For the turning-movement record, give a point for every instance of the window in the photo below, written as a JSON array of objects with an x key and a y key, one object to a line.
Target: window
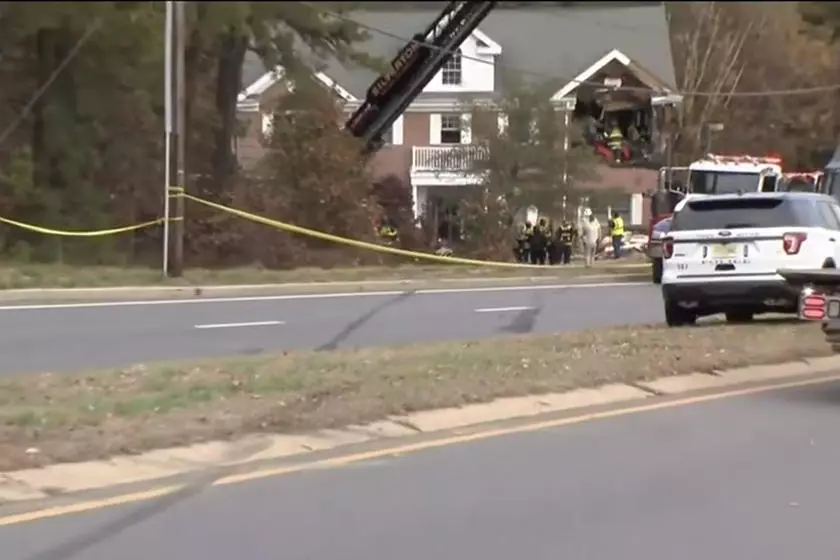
[
  {"x": 451, "y": 71},
  {"x": 768, "y": 183},
  {"x": 663, "y": 202},
  {"x": 450, "y": 129},
  {"x": 723, "y": 182},
  {"x": 800, "y": 184},
  {"x": 732, "y": 213}
]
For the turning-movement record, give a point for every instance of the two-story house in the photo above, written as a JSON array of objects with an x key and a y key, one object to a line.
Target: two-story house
[{"x": 590, "y": 49}]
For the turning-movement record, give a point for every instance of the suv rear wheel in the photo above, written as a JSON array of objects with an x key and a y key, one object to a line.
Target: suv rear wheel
[{"x": 676, "y": 316}]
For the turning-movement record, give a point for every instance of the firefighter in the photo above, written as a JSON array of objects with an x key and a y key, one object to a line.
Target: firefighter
[
  {"x": 387, "y": 233},
  {"x": 565, "y": 235},
  {"x": 617, "y": 234},
  {"x": 538, "y": 242},
  {"x": 523, "y": 243},
  {"x": 615, "y": 141},
  {"x": 550, "y": 242}
]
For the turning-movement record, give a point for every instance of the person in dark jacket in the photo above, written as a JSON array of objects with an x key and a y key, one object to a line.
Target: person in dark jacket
[
  {"x": 565, "y": 237},
  {"x": 539, "y": 242},
  {"x": 523, "y": 243}
]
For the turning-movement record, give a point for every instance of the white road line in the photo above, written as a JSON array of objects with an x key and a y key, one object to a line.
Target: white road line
[
  {"x": 294, "y": 297},
  {"x": 235, "y": 325},
  {"x": 503, "y": 309}
]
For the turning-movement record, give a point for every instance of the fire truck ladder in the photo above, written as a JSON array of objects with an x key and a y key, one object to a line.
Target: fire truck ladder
[{"x": 412, "y": 69}]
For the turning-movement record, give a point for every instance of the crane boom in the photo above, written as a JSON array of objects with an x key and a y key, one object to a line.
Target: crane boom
[{"x": 412, "y": 69}]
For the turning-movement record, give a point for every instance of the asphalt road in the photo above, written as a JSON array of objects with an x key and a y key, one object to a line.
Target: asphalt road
[
  {"x": 743, "y": 477},
  {"x": 64, "y": 337}
]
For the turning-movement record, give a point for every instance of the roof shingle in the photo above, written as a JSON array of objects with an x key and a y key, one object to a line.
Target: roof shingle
[{"x": 552, "y": 42}]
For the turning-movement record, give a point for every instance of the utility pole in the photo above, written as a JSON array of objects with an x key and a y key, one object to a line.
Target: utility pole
[
  {"x": 168, "y": 99},
  {"x": 177, "y": 267},
  {"x": 173, "y": 242}
]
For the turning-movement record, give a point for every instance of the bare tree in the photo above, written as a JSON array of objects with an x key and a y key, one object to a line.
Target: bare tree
[
  {"x": 791, "y": 54},
  {"x": 708, "y": 53},
  {"x": 723, "y": 48}
]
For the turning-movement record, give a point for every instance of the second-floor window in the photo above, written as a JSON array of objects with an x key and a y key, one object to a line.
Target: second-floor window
[
  {"x": 451, "y": 71},
  {"x": 450, "y": 129}
]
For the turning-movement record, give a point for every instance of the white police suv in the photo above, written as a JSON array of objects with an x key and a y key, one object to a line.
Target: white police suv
[{"x": 722, "y": 252}]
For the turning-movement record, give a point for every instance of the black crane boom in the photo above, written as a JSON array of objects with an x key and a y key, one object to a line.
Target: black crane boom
[{"x": 412, "y": 69}]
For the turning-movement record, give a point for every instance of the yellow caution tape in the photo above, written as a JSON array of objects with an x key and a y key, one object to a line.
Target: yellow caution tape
[
  {"x": 178, "y": 192},
  {"x": 91, "y": 233},
  {"x": 373, "y": 246}
]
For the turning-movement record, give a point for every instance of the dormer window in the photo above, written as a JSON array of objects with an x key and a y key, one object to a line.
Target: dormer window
[{"x": 451, "y": 72}]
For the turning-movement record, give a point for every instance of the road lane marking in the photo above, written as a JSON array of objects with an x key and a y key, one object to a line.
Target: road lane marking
[
  {"x": 91, "y": 505},
  {"x": 237, "y": 325},
  {"x": 337, "y": 295},
  {"x": 503, "y": 309}
]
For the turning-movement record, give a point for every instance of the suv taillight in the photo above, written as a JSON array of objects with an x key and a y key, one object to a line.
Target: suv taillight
[
  {"x": 792, "y": 242},
  {"x": 668, "y": 247}
]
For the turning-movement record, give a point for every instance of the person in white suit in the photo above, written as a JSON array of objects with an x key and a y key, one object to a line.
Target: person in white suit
[{"x": 590, "y": 236}]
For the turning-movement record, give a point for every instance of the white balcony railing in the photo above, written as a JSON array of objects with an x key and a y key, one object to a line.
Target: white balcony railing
[{"x": 452, "y": 158}]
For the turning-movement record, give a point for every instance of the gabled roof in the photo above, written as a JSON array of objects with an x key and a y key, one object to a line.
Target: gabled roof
[
  {"x": 614, "y": 55},
  {"x": 268, "y": 79},
  {"x": 486, "y": 45},
  {"x": 552, "y": 41}
]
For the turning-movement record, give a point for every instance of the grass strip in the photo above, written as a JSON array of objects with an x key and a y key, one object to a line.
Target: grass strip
[{"x": 75, "y": 417}]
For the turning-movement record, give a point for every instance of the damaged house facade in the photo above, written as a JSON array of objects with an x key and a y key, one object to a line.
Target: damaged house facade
[{"x": 591, "y": 50}]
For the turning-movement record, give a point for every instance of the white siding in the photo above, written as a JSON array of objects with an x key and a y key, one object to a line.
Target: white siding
[
  {"x": 466, "y": 129},
  {"x": 434, "y": 129},
  {"x": 397, "y": 131},
  {"x": 476, "y": 75}
]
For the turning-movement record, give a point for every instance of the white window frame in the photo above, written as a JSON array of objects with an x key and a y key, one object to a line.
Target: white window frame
[
  {"x": 450, "y": 123},
  {"x": 452, "y": 73}
]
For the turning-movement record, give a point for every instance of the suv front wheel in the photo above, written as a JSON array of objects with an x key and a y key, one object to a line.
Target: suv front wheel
[{"x": 676, "y": 316}]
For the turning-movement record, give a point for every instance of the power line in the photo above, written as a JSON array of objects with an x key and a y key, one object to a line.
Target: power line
[
  {"x": 91, "y": 29},
  {"x": 763, "y": 93}
]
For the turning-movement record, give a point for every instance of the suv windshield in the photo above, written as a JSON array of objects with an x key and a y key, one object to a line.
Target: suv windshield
[
  {"x": 732, "y": 213},
  {"x": 723, "y": 182}
]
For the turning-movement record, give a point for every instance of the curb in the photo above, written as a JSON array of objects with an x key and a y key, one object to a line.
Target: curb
[
  {"x": 182, "y": 292},
  {"x": 70, "y": 478}
]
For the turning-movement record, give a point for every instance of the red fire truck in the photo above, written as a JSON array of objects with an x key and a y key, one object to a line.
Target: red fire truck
[{"x": 711, "y": 174}]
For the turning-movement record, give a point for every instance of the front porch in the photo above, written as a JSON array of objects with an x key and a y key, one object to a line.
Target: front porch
[
  {"x": 443, "y": 167},
  {"x": 447, "y": 165}
]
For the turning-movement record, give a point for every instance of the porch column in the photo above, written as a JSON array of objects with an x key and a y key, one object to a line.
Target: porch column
[
  {"x": 415, "y": 201},
  {"x": 568, "y": 106}
]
